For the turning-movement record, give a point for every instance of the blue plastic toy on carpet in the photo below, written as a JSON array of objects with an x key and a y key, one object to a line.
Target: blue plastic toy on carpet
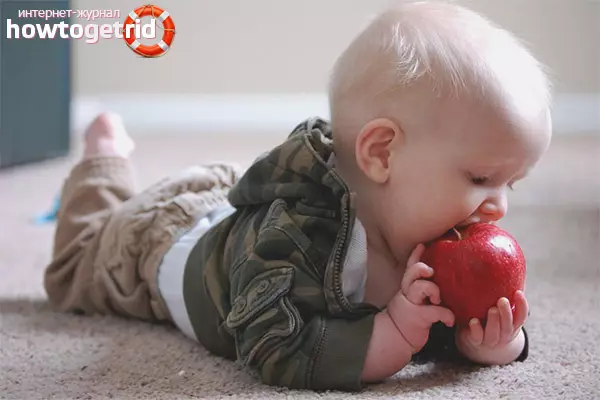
[{"x": 50, "y": 215}]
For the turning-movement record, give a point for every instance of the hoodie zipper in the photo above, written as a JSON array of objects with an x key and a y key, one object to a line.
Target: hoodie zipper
[
  {"x": 339, "y": 295},
  {"x": 338, "y": 256}
]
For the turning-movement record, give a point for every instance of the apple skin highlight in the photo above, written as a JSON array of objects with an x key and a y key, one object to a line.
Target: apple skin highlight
[{"x": 475, "y": 268}]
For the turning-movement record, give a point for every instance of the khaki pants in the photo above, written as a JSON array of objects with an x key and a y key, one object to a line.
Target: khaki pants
[{"x": 110, "y": 241}]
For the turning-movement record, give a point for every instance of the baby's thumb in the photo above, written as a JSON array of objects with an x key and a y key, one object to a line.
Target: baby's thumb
[{"x": 434, "y": 314}]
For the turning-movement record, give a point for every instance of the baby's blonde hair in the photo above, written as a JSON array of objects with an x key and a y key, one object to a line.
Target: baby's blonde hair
[{"x": 457, "y": 50}]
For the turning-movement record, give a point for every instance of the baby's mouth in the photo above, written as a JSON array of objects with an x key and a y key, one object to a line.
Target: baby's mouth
[
  {"x": 474, "y": 220},
  {"x": 468, "y": 221},
  {"x": 443, "y": 235},
  {"x": 459, "y": 227},
  {"x": 452, "y": 232}
]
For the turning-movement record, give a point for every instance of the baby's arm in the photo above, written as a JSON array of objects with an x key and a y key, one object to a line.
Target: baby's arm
[{"x": 403, "y": 329}]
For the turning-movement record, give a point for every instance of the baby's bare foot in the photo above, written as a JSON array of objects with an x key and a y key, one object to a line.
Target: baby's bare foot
[{"x": 106, "y": 136}]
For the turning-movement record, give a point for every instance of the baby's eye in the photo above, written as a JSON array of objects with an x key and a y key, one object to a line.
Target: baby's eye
[{"x": 479, "y": 180}]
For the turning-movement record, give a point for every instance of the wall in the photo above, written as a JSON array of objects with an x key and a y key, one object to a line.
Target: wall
[{"x": 230, "y": 51}]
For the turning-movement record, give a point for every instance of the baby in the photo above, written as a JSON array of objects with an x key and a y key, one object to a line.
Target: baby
[{"x": 305, "y": 267}]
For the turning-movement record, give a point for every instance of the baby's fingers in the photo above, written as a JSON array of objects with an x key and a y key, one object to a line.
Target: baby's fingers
[
  {"x": 521, "y": 309},
  {"x": 422, "y": 289},
  {"x": 414, "y": 272},
  {"x": 475, "y": 332},
  {"x": 492, "y": 328},
  {"x": 506, "y": 320},
  {"x": 433, "y": 314},
  {"x": 415, "y": 256}
]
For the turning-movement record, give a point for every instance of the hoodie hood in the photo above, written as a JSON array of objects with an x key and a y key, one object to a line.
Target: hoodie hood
[{"x": 298, "y": 169}]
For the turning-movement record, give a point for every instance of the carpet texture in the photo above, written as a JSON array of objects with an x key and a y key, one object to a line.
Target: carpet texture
[{"x": 43, "y": 354}]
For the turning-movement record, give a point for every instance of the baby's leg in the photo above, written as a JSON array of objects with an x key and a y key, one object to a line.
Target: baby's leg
[
  {"x": 109, "y": 243},
  {"x": 96, "y": 186}
]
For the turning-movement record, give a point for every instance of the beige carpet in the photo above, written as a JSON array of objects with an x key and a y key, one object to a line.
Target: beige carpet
[{"x": 49, "y": 355}]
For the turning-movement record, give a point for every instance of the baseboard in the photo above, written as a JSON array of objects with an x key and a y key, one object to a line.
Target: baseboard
[{"x": 573, "y": 113}]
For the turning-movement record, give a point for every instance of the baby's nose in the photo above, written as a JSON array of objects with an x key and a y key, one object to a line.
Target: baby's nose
[{"x": 492, "y": 211}]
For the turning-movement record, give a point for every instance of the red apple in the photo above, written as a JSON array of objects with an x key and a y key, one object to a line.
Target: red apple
[{"x": 474, "y": 267}]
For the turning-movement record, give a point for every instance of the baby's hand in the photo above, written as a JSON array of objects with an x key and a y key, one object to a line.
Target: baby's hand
[
  {"x": 410, "y": 311},
  {"x": 500, "y": 333}
]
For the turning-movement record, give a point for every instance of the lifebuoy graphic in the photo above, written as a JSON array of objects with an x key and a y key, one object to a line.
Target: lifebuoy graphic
[{"x": 163, "y": 17}]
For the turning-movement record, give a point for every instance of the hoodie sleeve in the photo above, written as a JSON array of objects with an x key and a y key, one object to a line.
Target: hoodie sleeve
[
  {"x": 286, "y": 349},
  {"x": 280, "y": 322}
]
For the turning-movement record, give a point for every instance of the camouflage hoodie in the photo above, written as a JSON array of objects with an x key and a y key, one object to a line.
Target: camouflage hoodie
[{"x": 264, "y": 286}]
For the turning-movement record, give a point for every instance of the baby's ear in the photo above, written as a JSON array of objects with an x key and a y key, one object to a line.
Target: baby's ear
[{"x": 373, "y": 148}]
